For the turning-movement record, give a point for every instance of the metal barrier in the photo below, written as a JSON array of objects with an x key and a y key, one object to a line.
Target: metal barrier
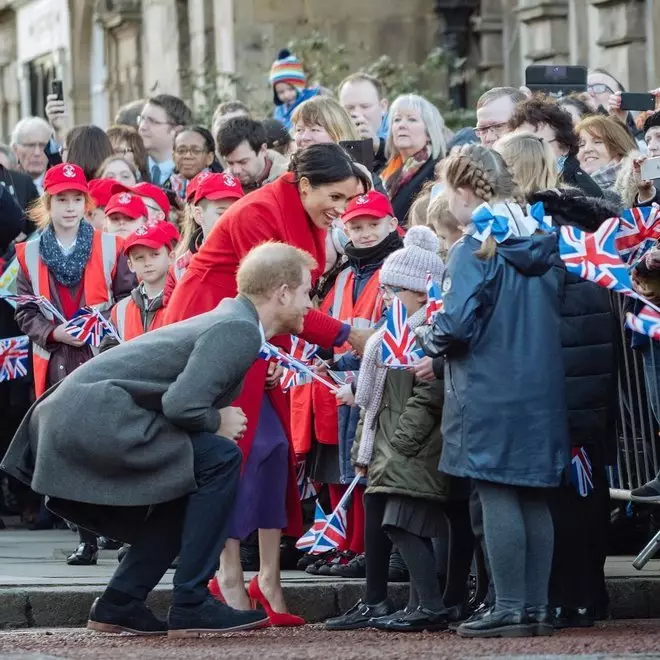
[{"x": 637, "y": 423}]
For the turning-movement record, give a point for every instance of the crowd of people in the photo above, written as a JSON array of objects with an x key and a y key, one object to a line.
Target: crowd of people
[{"x": 463, "y": 457}]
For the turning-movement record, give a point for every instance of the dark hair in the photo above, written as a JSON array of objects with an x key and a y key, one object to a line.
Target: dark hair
[
  {"x": 326, "y": 163},
  {"x": 652, "y": 121},
  {"x": 129, "y": 135},
  {"x": 277, "y": 137},
  {"x": 578, "y": 103},
  {"x": 237, "y": 130},
  {"x": 178, "y": 113},
  {"x": 128, "y": 114},
  {"x": 542, "y": 110},
  {"x": 209, "y": 142},
  {"x": 88, "y": 146}
]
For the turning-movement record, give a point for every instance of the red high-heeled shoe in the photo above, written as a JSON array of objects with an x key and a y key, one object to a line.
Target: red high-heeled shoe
[
  {"x": 215, "y": 591},
  {"x": 276, "y": 618}
]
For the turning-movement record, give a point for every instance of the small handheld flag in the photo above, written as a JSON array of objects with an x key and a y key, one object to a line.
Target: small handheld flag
[
  {"x": 647, "y": 322},
  {"x": 639, "y": 229},
  {"x": 87, "y": 325},
  {"x": 581, "y": 471},
  {"x": 434, "y": 300},
  {"x": 304, "y": 352},
  {"x": 13, "y": 357},
  {"x": 399, "y": 342},
  {"x": 308, "y": 540},
  {"x": 45, "y": 306}
]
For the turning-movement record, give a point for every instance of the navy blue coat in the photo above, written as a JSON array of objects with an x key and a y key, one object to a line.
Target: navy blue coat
[{"x": 504, "y": 416}]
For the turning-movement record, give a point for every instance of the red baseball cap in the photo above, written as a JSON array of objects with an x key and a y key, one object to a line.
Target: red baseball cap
[
  {"x": 217, "y": 186},
  {"x": 102, "y": 190},
  {"x": 154, "y": 192},
  {"x": 373, "y": 204},
  {"x": 65, "y": 176},
  {"x": 128, "y": 204},
  {"x": 152, "y": 235},
  {"x": 166, "y": 227}
]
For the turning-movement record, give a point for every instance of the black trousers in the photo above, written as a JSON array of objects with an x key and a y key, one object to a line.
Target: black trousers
[
  {"x": 194, "y": 527},
  {"x": 581, "y": 539}
]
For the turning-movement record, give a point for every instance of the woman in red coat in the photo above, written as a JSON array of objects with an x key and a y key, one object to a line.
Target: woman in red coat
[{"x": 298, "y": 209}]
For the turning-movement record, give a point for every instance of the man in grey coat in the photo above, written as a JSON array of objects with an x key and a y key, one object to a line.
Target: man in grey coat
[{"x": 139, "y": 445}]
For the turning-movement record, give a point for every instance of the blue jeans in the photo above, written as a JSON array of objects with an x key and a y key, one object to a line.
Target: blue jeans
[{"x": 195, "y": 527}]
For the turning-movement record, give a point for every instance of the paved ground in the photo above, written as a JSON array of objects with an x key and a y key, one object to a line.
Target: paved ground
[{"x": 620, "y": 641}]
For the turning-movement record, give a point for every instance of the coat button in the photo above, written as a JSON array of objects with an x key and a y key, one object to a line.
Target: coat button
[{"x": 61, "y": 366}]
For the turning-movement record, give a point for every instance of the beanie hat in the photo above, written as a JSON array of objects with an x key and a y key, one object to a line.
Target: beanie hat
[
  {"x": 651, "y": 121},
  {"x": 287, "y": 69},
  {"x": 407, "y": 268}
]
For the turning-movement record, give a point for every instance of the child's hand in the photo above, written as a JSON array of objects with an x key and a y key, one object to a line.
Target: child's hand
[
  {"x": 275, "y": 372},
  {"x": 345, "y": 395},
  {"x": 360, "y": 471},
  {"x": 61, "y": 336},
  {"x": 423, "y": 369}
]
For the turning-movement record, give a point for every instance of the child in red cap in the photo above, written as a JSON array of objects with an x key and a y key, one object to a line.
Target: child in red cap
[
  {"x": 101, "y": 190},
  {"x": 150, "y": 254},
  {"x": 211, "y": 195},
  {"x": 124, "y": 213},
  {"x": 69, "y": 266},
  {"x": 155, "y": 199},
  {"x": 317, "y": 429}
]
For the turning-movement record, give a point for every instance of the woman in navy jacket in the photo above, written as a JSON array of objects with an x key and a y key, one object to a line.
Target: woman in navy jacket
[{"x": 504, "y": 417}]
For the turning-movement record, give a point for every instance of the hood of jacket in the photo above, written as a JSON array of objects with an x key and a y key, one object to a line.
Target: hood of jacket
[{"x": 532, "y": 256}]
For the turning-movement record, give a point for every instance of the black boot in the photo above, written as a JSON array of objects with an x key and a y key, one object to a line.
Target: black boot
[
  {"x": 505, "y": 623},
  {"x": 86, "y": 554},
  {"x": 135, "y": 618}
]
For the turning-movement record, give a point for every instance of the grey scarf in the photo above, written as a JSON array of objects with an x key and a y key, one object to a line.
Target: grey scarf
[{"x": 68, "y": 268}]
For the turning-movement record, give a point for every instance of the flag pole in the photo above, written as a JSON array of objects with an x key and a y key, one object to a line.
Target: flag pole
[{"x": 345, "y": 497}]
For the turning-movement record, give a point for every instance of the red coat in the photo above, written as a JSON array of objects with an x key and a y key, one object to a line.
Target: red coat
[{"x": 272, "y": 213}]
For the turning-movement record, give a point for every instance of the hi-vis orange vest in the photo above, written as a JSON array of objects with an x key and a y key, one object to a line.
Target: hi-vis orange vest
[
  {"x": 314, "y": 403},
  {"x": 97, "y": 287},
  {"x": 127, "y": 318}
]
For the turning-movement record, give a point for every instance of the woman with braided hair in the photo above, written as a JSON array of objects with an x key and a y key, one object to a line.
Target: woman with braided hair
[{"x": 504, "y": 415}]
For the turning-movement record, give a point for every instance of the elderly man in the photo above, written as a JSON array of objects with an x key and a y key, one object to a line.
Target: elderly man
[
  {"x": 494, "y": 111},
  {"x": 153, "y": 459},
  {"x": 29, "y": 141}
]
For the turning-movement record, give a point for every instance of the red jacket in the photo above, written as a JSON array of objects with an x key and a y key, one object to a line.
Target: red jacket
[{"x": 273, "y": 212}]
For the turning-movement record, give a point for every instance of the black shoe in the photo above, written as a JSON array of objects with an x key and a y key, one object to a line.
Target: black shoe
[
  {"x": 382, "y": 621},
  {"x": 122, "y": 552},
  {"x": 359, "y": 616},
  {"x": 211, "y": 616},
  {"x": 458, "y": 613},
  {"x": 326, "y": 558},
  {"x": 505, "y": 623},
  {"x": 573, "y": 617},
  {"x": 108, "y": 544},
  {"x": 355, "y": 568},
  {"x": 542, "y": 620},
  {"x": 86, "y": 554},
  {"x": 481, "y": 610},
  {"x": 649, "y": 492},
  {"x": 398, "y": 572},
  {"x": 134, "y": 618},
  {"x": 340, "y": 559},
  {"x": 307, "y": 560},
  {"x": 419, "y": 620}
]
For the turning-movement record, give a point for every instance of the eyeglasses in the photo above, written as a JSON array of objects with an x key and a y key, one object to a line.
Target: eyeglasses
[
  {"x": 599, "y": 88},
  {"x": 149, "y": 121},
  {"x": 193, "y": 151},
  {"x": 62, "y": 150},
  {"x": 495, "y": 128},
  {"x": 123, "y": 152}
]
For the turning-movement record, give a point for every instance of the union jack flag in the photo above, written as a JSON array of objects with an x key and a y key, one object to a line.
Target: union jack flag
[
  {"x": 345, "y": 378},
  {"x": 639, "y": 229},
  {"x": 13, "y": 357},
  {"x": 581, "y": 471},
  {"x": 304, "y": 352},
  {"x": 87, "y": 325},
  {"x": 594, "y": 256},
  {"x": 43, "y": 303},
  {"x": 334, "y": 533},
  {"x": 308, "y": 540},
  {"x": 306, "y": 489},
  {"x": 399, "y": 342},
  {"x": 647, "y": 322},
  {"x": 434, "y": 300}
]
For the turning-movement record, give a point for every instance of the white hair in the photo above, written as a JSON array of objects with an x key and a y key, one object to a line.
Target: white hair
[
  {"x": 27, "y": 125},
  {"x": 435, "y": 124}
]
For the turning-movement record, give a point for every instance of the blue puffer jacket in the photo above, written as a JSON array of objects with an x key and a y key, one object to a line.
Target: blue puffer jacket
[
  {"x": 283, "y": 112},
  {"x": 504, "y": 416}
]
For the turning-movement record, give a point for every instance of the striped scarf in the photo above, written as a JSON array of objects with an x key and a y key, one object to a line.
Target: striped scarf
[{"x": 398, "y": 173}]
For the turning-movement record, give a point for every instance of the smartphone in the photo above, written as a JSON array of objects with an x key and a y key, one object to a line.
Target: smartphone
[
  {"x": 632, "y": 101},
  {"x": 56, "y": 88},
  {"x": 361, "y": 151},
  {"x": 650, "y": 169},
  {"x": 556, "y": 80}
]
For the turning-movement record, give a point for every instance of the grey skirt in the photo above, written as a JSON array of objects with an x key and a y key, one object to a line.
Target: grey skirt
[{"x": 420, "y": 517}]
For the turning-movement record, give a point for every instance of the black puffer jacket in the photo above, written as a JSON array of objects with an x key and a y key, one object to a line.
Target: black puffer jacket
[{"x": 588, "y": 332}]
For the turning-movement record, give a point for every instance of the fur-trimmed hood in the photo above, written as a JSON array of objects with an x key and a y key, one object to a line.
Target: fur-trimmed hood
[{"x": 572, "y": 207}]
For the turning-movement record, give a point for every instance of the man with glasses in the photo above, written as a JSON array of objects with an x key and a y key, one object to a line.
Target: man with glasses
[
  {"x": 494, "y": 110},
  {"x": 29, "y": 140},
  {"x": 157, "y": 125}
]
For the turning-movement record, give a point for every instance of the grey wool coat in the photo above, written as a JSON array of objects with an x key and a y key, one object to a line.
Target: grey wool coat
[{"x": 116, "y": 432}]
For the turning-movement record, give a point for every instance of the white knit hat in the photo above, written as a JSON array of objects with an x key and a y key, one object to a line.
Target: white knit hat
[{"x": 407, "y": 267}]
